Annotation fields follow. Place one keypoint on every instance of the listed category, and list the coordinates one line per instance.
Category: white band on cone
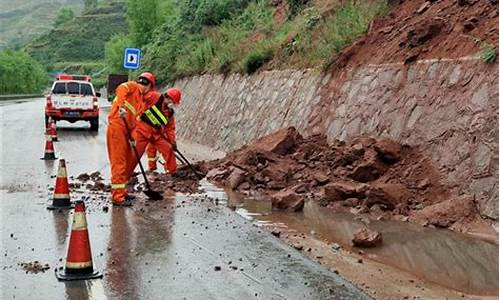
(79, 221)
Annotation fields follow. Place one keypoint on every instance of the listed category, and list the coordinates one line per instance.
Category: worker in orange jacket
(156, 128)
(127, 106)
(170, 165)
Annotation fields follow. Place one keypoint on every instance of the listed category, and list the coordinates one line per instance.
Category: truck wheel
(94, 124)
(46, 121)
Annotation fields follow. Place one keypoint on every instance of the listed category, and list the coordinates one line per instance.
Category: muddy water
(440, 256)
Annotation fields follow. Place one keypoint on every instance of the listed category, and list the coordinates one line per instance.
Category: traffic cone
(51, 130)
(79, 259)
(61, 198)
(49, 149)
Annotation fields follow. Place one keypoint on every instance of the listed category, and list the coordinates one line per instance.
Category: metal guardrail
(15, 97)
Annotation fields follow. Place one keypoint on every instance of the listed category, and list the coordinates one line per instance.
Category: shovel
(184, 160)
(153, 195)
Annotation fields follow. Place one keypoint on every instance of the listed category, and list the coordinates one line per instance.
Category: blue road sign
(132, 58)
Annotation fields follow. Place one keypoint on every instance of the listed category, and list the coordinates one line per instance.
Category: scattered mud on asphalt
(16, 188)
(91, 182)
(34, 267)
(91, 187)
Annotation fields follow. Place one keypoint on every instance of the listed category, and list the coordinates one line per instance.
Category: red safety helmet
(174, 94)
(149, 76)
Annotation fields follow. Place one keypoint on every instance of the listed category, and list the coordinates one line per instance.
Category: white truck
(73, 98)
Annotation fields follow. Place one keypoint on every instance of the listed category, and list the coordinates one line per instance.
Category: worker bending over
(127, 106)
(156, 128)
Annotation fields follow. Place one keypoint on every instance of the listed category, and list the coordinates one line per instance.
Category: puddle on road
(440, 256)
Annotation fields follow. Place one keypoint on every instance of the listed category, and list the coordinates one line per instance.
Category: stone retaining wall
(447, 107)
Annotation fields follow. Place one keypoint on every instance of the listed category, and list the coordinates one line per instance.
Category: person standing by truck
(127, 106)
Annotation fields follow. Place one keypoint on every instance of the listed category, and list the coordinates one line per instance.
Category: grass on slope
(252, 39)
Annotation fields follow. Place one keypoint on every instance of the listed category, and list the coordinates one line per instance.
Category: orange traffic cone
(79, 259)
(49, 149)
(61, 198)
(51, 130)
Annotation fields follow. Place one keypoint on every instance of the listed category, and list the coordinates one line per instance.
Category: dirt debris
(34, 267)
(83, 177)
(184, 181)
(96, 185)
(365, 237)
(96, 176)
(377, 177)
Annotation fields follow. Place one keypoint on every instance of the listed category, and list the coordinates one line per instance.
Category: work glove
(122, 112)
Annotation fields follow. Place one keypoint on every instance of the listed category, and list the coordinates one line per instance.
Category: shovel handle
(177, 153)
(187, 162)
(136, 153)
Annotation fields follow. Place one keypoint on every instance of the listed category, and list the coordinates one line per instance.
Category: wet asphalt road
(155, 250)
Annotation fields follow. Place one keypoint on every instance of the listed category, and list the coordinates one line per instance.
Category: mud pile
(378, 177)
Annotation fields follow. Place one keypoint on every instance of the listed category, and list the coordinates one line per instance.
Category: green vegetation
(320, 38)
(113, 53)
(257, 58)
(20, 74)
(221, 36)
(64, 15)
(142, 16)
(89, 4)
(489, 53)
(187, 37)
(295, 6)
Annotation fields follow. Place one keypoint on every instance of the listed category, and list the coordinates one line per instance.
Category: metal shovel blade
(153, 195)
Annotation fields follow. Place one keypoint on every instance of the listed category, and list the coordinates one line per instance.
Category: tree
(113, 53)
(20, 74)
(64, 15)
(88, 4)
(143, 18)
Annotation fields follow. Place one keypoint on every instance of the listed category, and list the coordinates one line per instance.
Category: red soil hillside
(419, 29)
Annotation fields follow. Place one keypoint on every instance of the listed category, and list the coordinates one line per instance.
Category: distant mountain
(81, 40)
(22, 21)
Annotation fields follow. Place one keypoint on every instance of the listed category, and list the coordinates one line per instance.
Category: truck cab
(73, 98)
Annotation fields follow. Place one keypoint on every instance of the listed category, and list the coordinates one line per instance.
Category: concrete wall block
(455, 76)
(432, 71)
(482, 158)
(486, 194)
(480, 99)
